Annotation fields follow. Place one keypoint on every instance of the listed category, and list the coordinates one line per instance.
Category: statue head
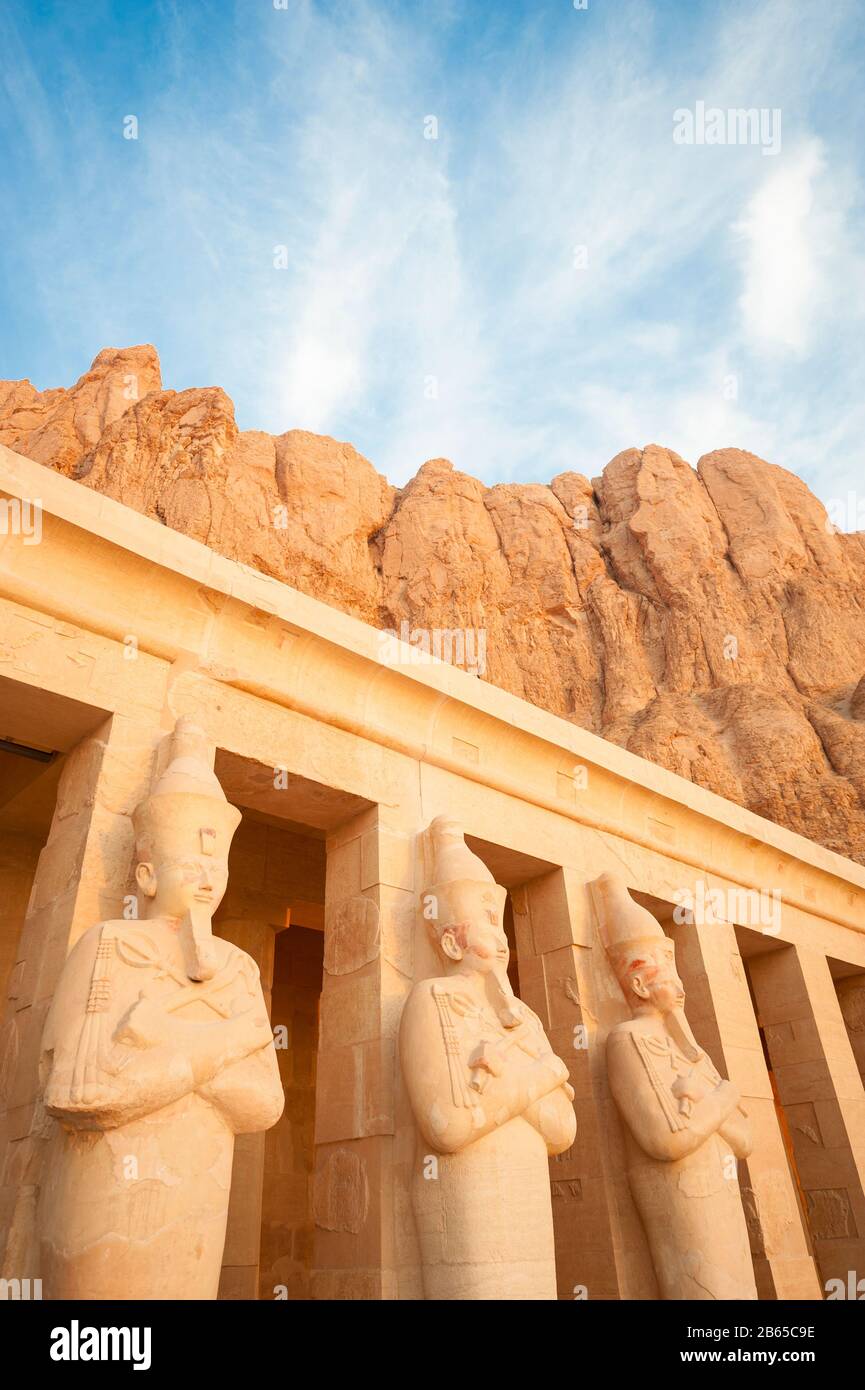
(642, 956)
(463, 904)
(183, 832)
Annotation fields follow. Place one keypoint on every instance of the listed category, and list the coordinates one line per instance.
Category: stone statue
(684, 1125)
(157, 1051)
(490, 1098)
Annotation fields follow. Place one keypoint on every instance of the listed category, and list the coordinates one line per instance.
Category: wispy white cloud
(785, 248)
(432, 302)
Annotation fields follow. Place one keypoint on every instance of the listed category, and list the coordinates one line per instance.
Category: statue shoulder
(623, 1035)
(421, 996)
(234, 959)
(627, 1050)
(88, 943)
(110, 927)
(441, 999)
(441, 991)
(226, 952)
(73, 984)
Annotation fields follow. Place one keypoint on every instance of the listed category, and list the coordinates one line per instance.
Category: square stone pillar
(851, 997)
(240, 1258)
(719, 1008)
(287, 1223)
(821, 1091)
(19, 855)
(364, 1237)
(81, 878)
(553, 929)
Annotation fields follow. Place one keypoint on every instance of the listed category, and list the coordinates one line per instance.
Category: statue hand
(689, 1086)
(548, 1073)
(486, 1057)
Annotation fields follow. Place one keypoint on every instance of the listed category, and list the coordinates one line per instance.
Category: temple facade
(351, 762)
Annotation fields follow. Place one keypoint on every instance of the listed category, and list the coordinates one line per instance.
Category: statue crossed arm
(462, 1088)
(133, 1057)
(651, 1123)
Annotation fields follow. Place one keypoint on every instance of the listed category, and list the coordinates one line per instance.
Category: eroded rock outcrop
(710, 620)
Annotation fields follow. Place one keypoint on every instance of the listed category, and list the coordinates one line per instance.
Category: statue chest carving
(132, 961)
(477, 1042)
(677, 1081)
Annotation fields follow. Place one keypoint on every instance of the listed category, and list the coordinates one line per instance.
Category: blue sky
(434, 299)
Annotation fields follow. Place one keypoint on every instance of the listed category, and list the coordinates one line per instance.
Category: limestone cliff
(709, 620)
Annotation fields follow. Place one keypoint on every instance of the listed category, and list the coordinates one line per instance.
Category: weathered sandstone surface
(709, 620)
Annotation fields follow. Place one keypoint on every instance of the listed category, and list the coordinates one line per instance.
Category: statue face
(477, 939)
(178, 885)
(657, 980)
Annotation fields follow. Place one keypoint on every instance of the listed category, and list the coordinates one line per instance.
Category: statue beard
(502, 997)
(679, 1030)
(196, 943)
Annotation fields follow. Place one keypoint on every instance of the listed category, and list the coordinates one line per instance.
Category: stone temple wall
(341, 764)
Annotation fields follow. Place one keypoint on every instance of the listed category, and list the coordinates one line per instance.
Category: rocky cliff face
(709, 620)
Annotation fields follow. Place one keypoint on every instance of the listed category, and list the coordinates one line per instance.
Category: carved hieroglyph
(490, 1098)
(685, 1126)
(157, 1051)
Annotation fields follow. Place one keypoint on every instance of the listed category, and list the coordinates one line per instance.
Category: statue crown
(630, 934)
(451, 868)
(187, 810)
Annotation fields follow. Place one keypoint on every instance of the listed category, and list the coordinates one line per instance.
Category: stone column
(81, 879)
(19, 855)
(721, 1014)
(553, 929)
(820, 1089)
(364, 1238)
(240, 1259)
(851, 997)
(287, 1226)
